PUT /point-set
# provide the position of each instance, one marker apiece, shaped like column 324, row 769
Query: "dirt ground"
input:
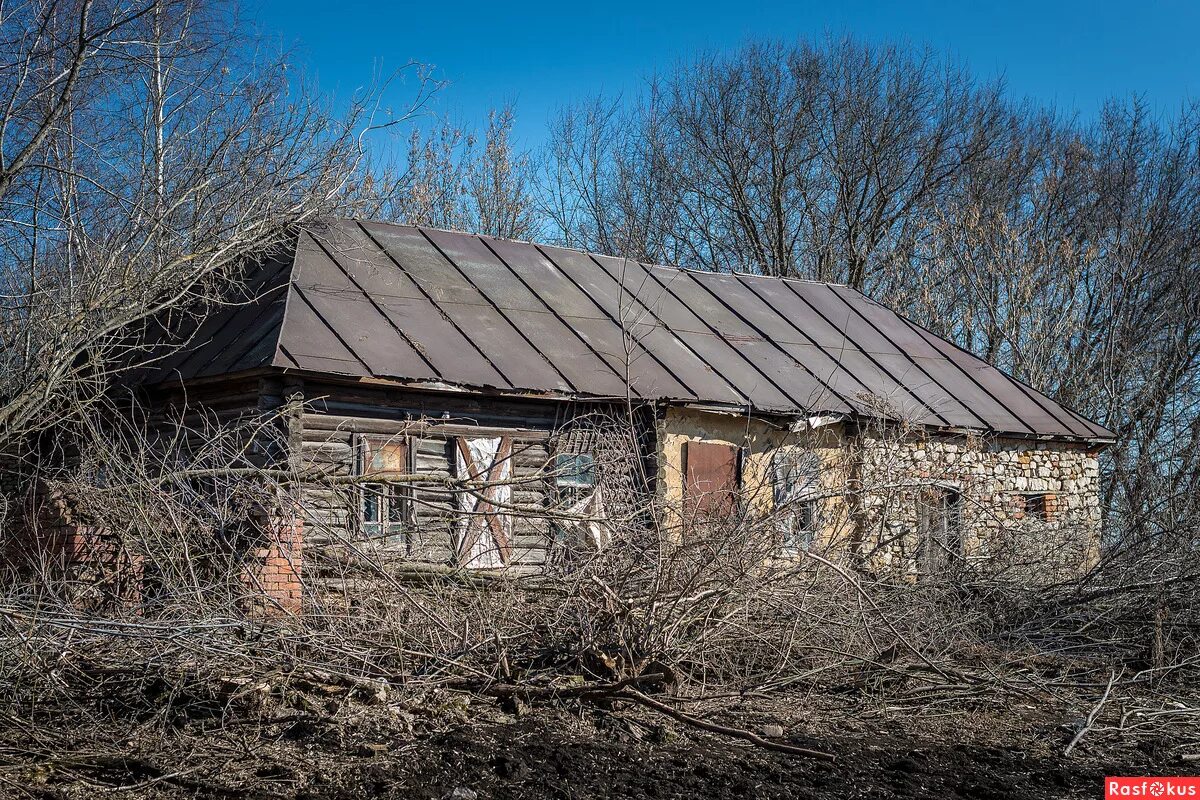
column 470, row 751
column 526, row 760
column 535, row 758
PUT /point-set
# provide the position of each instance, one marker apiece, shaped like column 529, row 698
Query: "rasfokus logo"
column 1151, row 787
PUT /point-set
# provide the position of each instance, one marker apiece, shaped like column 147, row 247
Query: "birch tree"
column 148, row 150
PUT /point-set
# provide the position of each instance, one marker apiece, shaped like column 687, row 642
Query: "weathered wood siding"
column 334, row 421
column 318, row 426
column 330, row 445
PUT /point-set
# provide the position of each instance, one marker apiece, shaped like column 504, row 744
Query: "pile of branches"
column 687, row 634
column 189, row 688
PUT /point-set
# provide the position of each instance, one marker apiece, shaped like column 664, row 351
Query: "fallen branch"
column 712, row 727
column 1091, row 717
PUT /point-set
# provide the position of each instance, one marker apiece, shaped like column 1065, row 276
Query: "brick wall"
column 96, row 570
column 91, row 567
column 274, row 567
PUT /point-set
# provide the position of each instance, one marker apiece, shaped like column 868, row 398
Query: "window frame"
column 568, row 488
column 393, row 504
column 578, row 478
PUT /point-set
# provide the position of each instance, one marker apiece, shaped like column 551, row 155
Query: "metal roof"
column 425, row 306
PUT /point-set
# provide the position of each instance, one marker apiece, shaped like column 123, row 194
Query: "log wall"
column 336, row 419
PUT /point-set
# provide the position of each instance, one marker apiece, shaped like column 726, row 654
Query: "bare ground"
column 448, row 745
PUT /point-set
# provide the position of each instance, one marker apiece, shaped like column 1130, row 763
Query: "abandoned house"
column 389, row 349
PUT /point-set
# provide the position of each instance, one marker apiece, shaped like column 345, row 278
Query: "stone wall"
column 1022, row 504
column 874, row 484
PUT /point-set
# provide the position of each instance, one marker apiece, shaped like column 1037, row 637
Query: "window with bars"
column 1039, row 506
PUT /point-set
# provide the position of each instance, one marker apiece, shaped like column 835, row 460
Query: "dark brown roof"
column 426, row 306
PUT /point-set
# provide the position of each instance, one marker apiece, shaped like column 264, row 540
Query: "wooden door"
column 710, row 479
column 939, row 530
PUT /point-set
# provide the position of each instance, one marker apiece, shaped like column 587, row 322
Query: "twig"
column 1091, row 718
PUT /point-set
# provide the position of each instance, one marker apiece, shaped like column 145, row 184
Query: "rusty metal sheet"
column 878, row 385
column 355, row 318
column 392, row 301
column 312, row 344
column 841, row 389
column 1097, row 429
column 945, row 372
column 262, row 351
column 735, row 364
column 992, row 381
column 533, row 319
column 710, row 478
column 941, row 404
column 756, row 337
column 473, row 313
column 409, row 310
column 255, row 345
column 235, row 325
column 985, row 391
column 631, row 315
column 593, row 325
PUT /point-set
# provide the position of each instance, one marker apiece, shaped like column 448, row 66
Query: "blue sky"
column 540, row 55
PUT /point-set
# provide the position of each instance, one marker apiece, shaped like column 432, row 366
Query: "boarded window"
column 710, row 478
column 384, row 507
column 939, row 523
column 484, row 526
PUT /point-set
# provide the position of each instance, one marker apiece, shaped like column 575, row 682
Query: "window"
column 578, row 493
column 794, row 472
column 1039, row 506
column 384, row 507
column 574, row 470
column 795, row 478
column 939, row 522
column 800, row 526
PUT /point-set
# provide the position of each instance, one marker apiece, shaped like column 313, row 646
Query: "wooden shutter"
column 484, row 539
column 710, row 478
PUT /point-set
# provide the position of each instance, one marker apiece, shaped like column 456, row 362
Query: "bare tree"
column 146, row 151
column 1072, row 262
column 787, row 160
column 1065, row 253
column 451, row 182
